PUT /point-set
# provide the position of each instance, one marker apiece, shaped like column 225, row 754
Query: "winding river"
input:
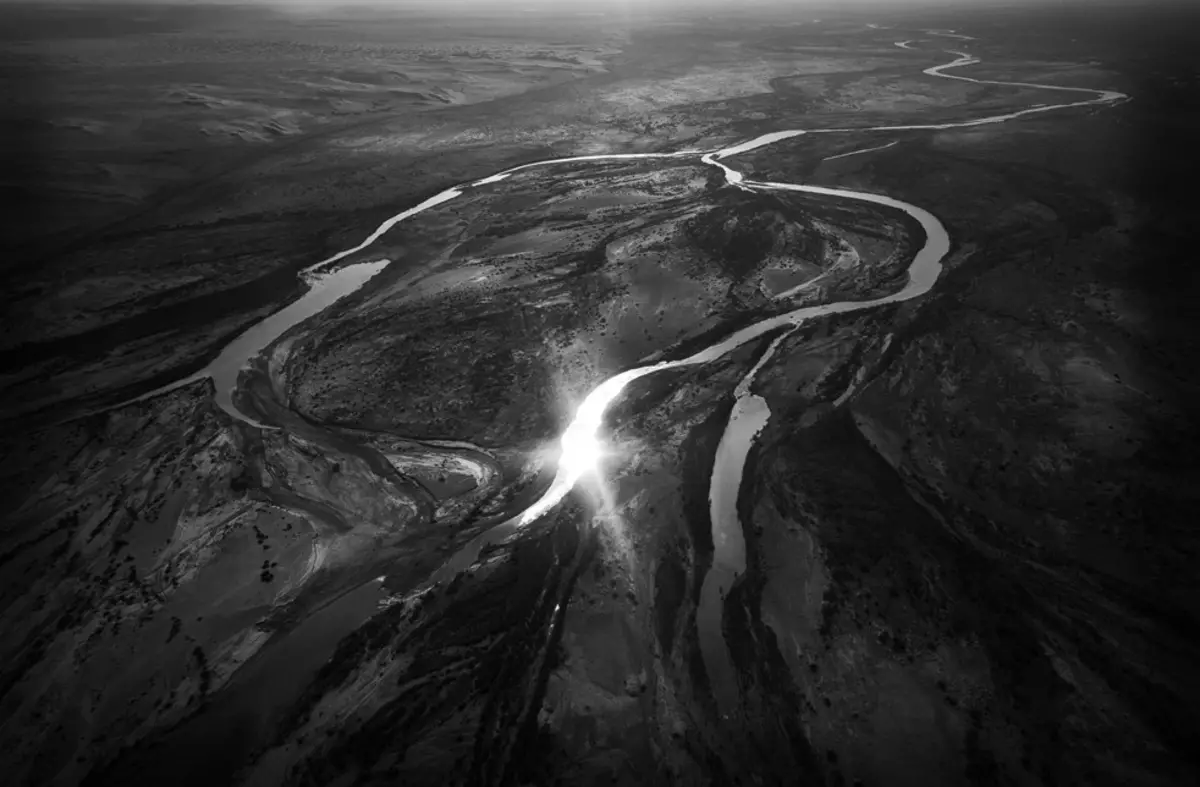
column 581, row 443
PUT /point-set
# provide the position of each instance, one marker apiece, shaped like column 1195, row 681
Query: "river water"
column 749, row 417
column 581, row 441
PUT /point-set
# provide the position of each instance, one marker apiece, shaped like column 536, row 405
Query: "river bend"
column 581, row 441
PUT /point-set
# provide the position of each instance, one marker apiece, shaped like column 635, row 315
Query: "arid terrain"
column 965, row 551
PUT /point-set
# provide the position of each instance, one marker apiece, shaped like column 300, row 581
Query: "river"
column 581, row 443
column 748, row 417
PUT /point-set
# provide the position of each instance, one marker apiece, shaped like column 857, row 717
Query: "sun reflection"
column 581, row 450
column 582, row 464
column 582, row 453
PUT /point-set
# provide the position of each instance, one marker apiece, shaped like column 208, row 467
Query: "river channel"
column 581, row 442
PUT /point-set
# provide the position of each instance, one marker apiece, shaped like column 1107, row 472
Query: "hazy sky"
column 584, row 5
column 827, row 7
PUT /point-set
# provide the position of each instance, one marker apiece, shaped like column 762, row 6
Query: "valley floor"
column 967, row 521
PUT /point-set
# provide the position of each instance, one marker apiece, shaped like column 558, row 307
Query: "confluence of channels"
column 580, row 442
